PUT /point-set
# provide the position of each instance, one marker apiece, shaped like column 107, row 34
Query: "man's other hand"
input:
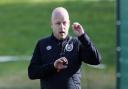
column 61, row 63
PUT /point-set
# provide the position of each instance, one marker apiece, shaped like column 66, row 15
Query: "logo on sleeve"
column 69, row 47
column 49, row 47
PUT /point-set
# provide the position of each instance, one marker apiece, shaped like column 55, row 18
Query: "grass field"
column 23, row 23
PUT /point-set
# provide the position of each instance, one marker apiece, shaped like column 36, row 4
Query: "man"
column 57, row 59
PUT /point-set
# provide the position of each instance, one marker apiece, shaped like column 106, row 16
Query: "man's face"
column 60, row 26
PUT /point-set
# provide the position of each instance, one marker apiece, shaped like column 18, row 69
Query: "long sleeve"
column 87, row 51
column 36, row 69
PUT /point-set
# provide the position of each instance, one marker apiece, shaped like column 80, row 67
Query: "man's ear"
column 69, row 21
column 51, row 24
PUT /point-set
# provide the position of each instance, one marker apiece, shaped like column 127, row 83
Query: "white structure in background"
column 13, row 58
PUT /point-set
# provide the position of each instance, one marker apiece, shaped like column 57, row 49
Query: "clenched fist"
column 77, row 29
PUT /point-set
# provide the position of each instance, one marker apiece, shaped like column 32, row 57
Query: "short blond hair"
column 59, row 11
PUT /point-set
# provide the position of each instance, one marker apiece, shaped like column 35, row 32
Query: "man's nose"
column 62, row 26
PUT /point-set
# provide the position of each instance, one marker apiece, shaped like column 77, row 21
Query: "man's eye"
column 64, row 23
column 58, row 23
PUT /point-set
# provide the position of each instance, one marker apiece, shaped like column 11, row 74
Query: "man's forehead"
column 60, row 12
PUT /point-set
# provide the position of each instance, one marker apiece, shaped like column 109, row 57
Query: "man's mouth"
column 61, row 32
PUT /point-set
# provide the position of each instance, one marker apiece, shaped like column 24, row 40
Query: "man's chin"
column 62, row 37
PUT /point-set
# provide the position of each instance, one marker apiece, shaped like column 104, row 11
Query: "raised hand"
column 77, row 29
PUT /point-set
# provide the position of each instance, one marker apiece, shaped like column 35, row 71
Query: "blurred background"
column 23, row 22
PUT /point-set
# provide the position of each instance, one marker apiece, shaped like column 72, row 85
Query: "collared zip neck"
column 59, row 41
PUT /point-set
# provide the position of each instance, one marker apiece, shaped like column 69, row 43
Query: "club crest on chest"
column 49, row 47
column 69, row 47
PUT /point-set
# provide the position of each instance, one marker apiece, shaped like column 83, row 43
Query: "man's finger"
column 65, row 61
